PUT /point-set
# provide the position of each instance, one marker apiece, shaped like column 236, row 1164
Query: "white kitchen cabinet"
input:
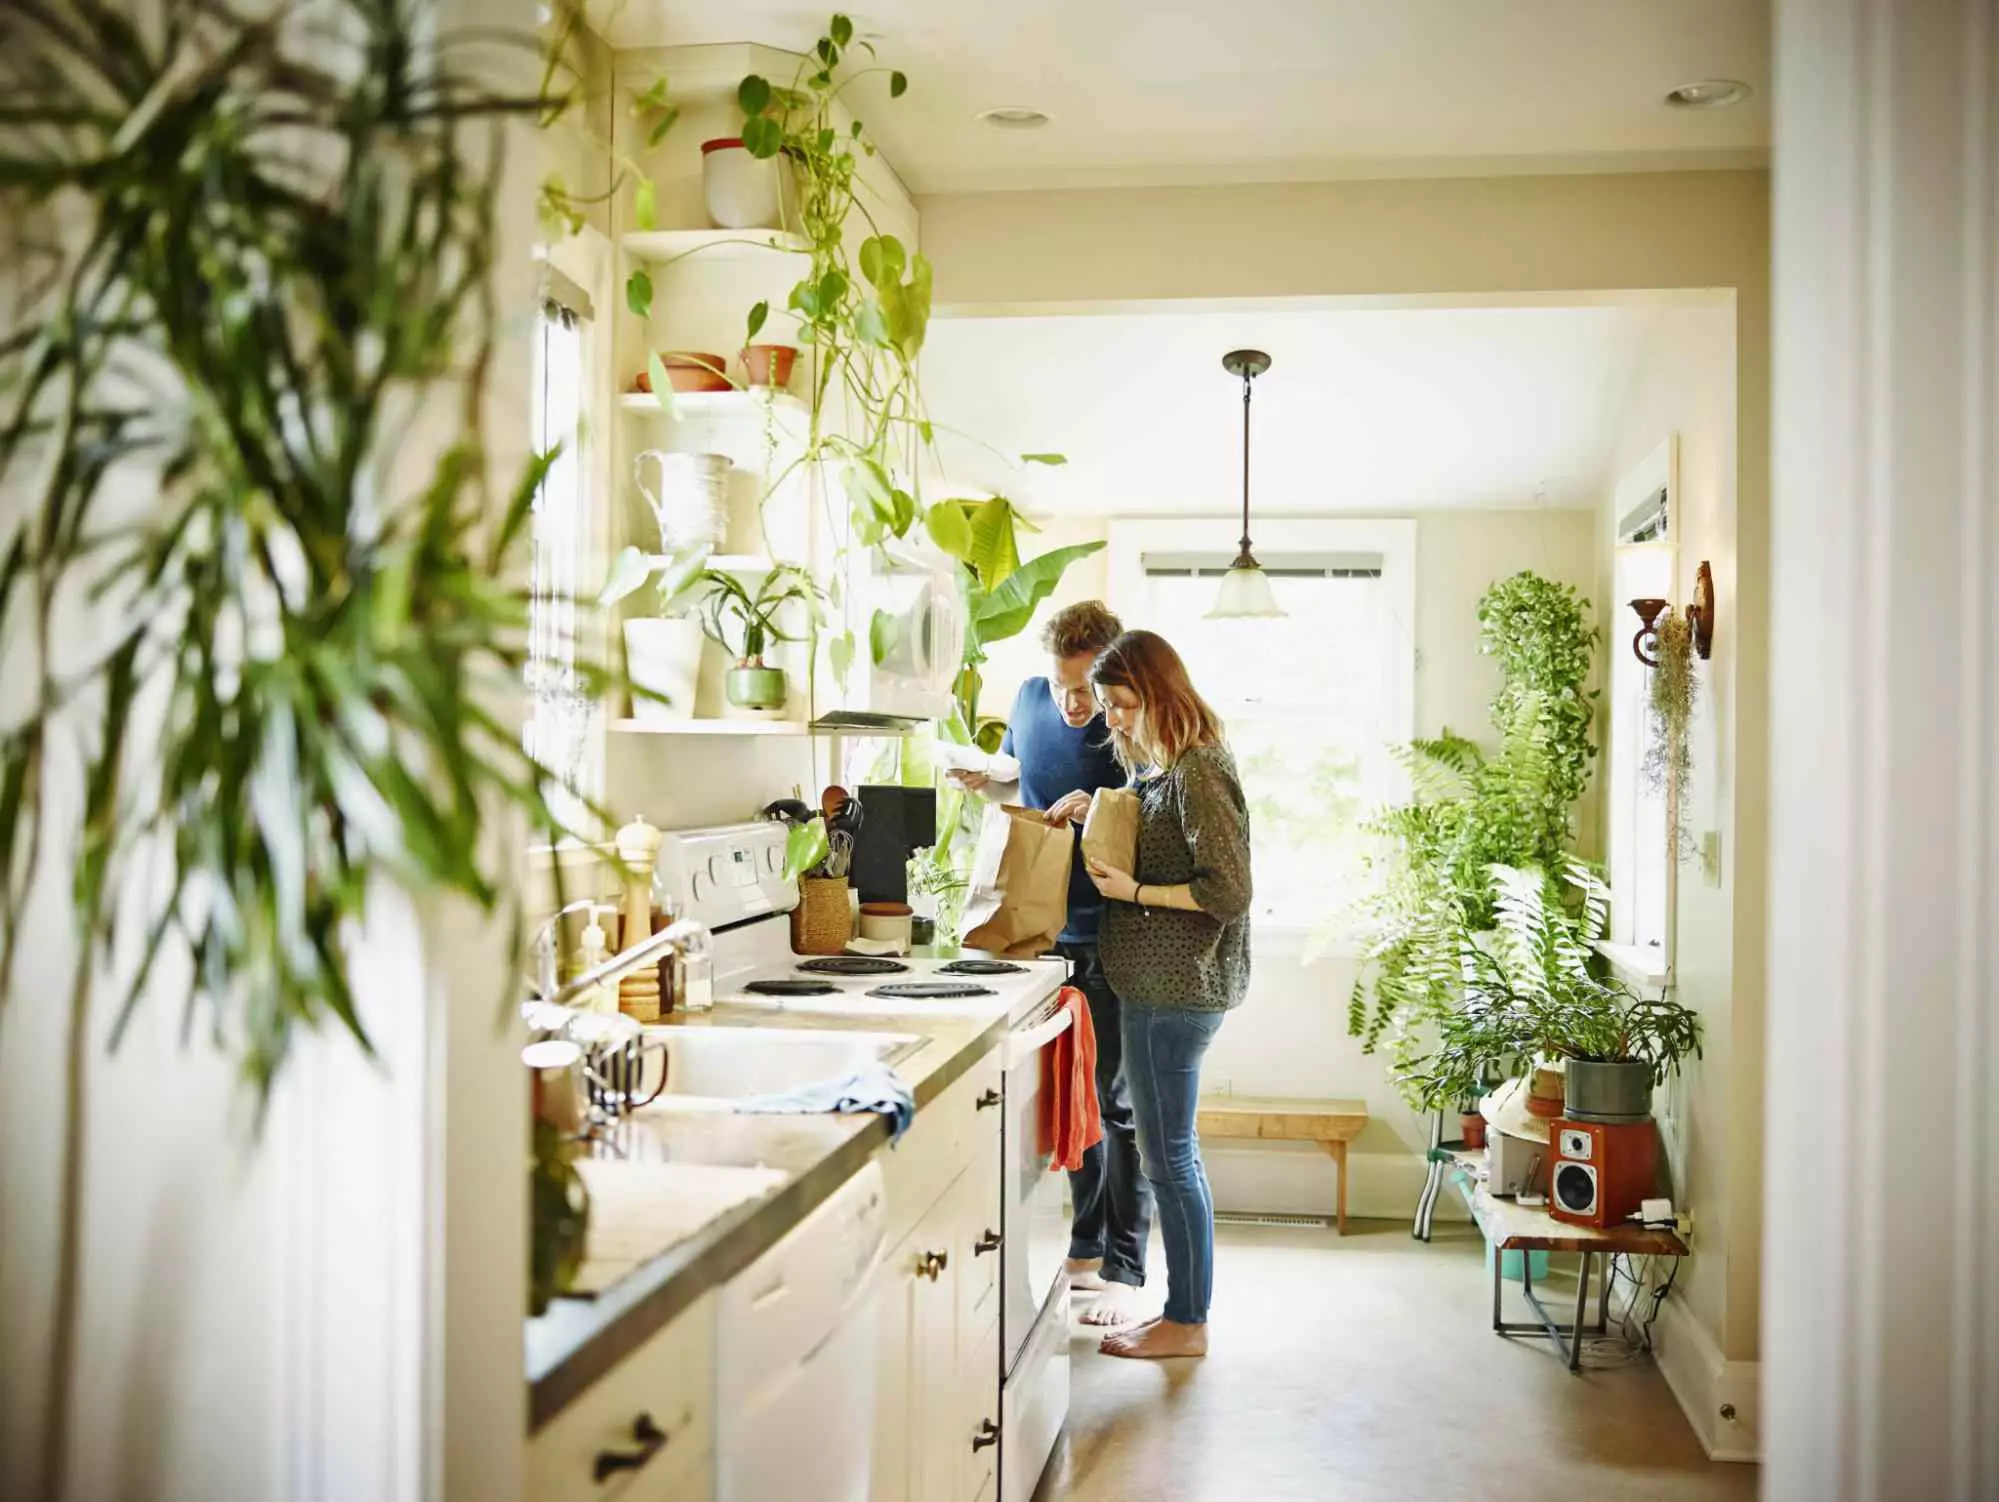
column 938, row 1381
column 645, row 1431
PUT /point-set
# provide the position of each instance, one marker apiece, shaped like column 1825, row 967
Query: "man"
column 1063, row 747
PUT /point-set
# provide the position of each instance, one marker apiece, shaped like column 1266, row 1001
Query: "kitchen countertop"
column 579, row 1340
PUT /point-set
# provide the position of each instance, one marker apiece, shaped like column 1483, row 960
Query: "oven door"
column 1036, row 1203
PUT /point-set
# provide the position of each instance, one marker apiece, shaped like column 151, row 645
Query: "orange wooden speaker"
column 1603, row 1171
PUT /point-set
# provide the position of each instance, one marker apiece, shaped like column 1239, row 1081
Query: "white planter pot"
column 742, row 191
column 692, row 502
column 664, row 656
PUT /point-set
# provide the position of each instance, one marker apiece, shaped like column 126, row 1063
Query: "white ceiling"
column 1273, row 90
column 1362, row 411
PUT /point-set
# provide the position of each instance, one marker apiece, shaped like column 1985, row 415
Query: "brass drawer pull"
column 932, row 1264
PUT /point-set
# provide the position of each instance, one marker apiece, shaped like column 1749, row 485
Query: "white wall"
column 1686, row 383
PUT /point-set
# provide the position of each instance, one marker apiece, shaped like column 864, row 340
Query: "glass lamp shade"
column 1245, row 593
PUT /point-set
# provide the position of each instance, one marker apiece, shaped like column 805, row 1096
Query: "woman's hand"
column 1070, row 808
column 967, row 781
column 1119, row 886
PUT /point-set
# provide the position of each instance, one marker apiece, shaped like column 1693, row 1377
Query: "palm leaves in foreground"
column 251, row 258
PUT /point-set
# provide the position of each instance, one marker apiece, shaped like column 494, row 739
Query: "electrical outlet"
column 1711, row 857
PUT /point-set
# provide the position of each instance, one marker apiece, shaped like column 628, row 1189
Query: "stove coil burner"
column 930, row 990
column 981, row 967
column 853, row 964
column 791, row 988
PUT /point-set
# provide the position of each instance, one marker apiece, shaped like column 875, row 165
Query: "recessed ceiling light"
column 1013, row 117
column 1709, row 94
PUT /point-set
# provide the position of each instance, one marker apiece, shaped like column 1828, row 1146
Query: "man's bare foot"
column 1085, row 1274
column 1157, row 1340
column 1116, row 1305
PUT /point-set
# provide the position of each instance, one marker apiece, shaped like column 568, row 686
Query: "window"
column 558, row 732
column 1314, row 702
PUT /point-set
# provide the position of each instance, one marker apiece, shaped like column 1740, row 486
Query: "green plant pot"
column 1607, row 1092
column 752, row 685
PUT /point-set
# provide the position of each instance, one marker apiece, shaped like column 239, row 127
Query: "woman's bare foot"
column 1157, row 1340
column 1116, row 1305
column 1085, row 1274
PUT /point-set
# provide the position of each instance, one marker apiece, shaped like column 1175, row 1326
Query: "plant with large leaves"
column 250, row 258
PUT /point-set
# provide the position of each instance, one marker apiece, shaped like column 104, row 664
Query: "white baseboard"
column 1292, row 1178
column 1706, row 1382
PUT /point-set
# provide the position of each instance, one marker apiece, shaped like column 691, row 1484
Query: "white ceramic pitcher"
column 692, row 502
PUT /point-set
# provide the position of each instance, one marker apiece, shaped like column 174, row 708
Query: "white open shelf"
column 712, row 727
column 714, row 404
column 711, row 244
column 724, row 563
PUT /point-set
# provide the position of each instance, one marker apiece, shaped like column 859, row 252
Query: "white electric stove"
column 731, row 878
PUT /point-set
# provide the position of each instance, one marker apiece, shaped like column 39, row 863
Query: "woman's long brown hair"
column 1174, row 717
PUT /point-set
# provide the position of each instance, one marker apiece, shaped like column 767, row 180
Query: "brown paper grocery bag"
column 1017, row 902
column 1110, row 833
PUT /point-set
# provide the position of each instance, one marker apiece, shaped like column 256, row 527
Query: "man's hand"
column 967, row 782
column 1070, row 808
column 1117, row 885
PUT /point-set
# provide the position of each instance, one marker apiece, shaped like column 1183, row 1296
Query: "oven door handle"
column 1023, row 1045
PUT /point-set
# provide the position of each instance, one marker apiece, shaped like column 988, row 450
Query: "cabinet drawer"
column 668, row 1382
column 939, row 1142
column 979, row 1410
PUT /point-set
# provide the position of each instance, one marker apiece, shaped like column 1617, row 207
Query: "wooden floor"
column 1366, row 1368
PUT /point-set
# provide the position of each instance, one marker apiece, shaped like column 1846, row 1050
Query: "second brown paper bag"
column 1017, row 902
column 1110, row 833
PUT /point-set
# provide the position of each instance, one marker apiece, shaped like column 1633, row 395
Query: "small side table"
column 1528, row 1228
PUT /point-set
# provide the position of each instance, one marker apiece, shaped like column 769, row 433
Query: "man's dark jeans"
column 1113, row 1202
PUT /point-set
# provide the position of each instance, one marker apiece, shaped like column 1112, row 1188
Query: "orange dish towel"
column 1071, row 1123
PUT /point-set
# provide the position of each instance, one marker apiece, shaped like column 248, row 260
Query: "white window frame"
column 1394, row 541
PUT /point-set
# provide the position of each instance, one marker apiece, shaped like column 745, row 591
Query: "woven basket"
column 823, row 920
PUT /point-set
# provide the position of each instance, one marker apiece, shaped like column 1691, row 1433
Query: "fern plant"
column 1469, row 812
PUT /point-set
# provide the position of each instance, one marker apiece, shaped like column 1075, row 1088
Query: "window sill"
column 1639, row 963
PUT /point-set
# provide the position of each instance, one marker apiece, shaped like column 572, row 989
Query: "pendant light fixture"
column 1245, row 591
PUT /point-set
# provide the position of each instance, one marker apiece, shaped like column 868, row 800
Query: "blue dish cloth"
column 873, row 1089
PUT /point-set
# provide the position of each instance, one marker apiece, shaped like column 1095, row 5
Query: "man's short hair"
column 1086, row 626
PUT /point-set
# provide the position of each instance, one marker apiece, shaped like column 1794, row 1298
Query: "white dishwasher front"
column 795, row 1337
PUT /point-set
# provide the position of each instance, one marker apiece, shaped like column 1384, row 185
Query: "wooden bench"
column 1330, row 1123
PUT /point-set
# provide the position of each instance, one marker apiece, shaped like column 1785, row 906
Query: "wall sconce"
column 1700, row 614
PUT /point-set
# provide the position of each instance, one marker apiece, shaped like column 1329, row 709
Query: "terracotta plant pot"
column 696, row 371
column 1471, row 1129
column 768, row 364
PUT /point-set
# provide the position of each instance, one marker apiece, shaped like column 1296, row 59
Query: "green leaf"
column 804, row 848
column 638, row 294
column 1044, row 459
column 763, row 137
column 883, row 633
column 832, row 287
column 904, row 511
column 840, row 652
column 1006, row 610
column 628, row 571
column 883, row 260
column 868, row 486
column 662, row 125
column 898, row 85
column 753, row 94
column 949, row 528
column 756, row 321
column 995, row 552
column 645, row 204
column 662, row 386
column 869, row 325
column 842, row 30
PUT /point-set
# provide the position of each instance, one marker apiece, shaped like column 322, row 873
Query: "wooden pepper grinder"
column 638, row 850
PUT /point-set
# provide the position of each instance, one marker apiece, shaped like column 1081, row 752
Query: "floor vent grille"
column 1300, row 1222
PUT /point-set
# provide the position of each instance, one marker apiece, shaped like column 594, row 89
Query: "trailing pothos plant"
column 1669, row 699
column 274, row 632
column 1470, row 812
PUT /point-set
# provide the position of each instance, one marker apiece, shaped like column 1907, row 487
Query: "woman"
column 1175, row 948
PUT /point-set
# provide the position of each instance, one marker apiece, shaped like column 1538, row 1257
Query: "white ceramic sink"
column 728, row 1063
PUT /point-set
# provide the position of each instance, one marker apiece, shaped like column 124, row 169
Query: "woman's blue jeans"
column 1163, row 1047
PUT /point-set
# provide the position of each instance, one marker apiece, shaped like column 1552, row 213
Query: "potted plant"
column 1670, row 694
column 822, row 923
column 752, row 683
column 1471, row 811
column 662, row 651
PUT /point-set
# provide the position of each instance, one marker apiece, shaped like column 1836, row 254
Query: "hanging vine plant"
column 1670, row 697
column 250, row 253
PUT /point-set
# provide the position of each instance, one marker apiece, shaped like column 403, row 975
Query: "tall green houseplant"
column 1470, row 811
